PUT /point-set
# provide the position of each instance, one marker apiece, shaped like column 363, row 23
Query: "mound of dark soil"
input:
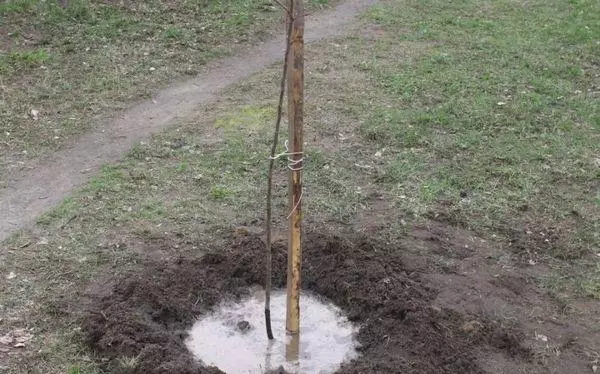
column 146, row 313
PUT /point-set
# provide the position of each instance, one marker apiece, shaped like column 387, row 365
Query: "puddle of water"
column 233, row 337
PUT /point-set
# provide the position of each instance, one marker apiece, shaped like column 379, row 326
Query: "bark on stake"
column 295, row 121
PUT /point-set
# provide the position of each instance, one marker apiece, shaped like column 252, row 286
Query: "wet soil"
column 410, row 322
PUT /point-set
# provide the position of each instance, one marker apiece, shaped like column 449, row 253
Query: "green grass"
column 491, row 118
column 16, row 6
column 493, row 113
column 480, row 112
column 103, row 56
column 31, row 58
column 590, row 283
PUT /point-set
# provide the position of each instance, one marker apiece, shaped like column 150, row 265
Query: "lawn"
column 478, row 117
column 66, row 69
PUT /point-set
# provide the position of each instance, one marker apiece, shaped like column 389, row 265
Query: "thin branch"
column 289, row 12
column 269, row 254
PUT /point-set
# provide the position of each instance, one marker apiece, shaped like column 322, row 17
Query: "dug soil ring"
column 141, row 324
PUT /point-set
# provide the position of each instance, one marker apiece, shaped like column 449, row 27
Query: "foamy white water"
column 223, row 340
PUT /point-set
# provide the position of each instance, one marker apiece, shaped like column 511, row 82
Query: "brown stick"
column 269, row 259
column 295, row 121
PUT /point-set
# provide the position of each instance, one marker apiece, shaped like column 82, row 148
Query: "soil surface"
column 412, row 318
column 47, row 182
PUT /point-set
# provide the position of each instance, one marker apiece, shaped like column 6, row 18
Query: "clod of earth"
column 244, row 326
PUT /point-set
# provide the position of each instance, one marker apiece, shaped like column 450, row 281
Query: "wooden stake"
column 295, row 121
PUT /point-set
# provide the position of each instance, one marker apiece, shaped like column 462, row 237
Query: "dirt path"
column 49, row 181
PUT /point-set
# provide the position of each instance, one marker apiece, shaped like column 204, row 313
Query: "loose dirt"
column 49, row 181
column 411, row 320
